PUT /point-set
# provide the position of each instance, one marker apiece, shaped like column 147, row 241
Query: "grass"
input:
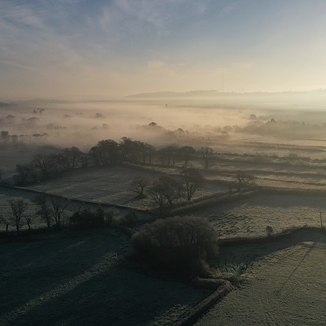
column 285, row 283
column 73, row 278
column 250, row 217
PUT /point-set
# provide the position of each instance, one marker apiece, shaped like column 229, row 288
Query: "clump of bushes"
column 87, row 219
column 181, row 245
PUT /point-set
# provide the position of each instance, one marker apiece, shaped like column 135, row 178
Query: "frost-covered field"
column 81, row 278
column 250, row 217
column 285, row 285
column 108, row 185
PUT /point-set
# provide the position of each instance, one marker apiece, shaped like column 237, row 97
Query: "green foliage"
column 182, row 245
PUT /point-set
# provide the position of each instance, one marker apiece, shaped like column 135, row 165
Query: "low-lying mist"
column 161, row 121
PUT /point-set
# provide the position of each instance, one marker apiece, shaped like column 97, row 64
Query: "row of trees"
column 165, row 191
column 109, row 152
column 43, row 166
column 51, row 211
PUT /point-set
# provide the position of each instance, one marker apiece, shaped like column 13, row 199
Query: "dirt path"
column 287, row 287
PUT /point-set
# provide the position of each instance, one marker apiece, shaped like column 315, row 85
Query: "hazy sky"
column 51, row 48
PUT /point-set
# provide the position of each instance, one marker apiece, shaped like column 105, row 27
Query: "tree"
column 18, row 207
column 28, row 220
column 138, row 185
column 183, row 245
column 145, row 150
column 44, row 210
column 59, row 205
column 5, row 136
column 187, row 153
column 168, row 155
column 4, row 221
column 245, row 180
column 106, row 152
column 69, row 158
column 207, row 154
column 193, row 181
column 25, row 173
column 46, row 164
column 165, row 191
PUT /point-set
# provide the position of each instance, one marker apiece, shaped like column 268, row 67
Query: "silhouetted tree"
column 207, row 154
column 138, row 185
column 18, row 207
column 5, row 136
column 245, row 180
column 187, row 153
column 193, row 180
column 26, row 173
column 4, row 221
column 69, row 158
column 106, row 152
column 59, row 205
column 166, row 191
column 44, row 210
column 46, row 164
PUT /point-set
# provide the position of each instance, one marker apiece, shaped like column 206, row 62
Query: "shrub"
column 182, row 245
column 87, row 219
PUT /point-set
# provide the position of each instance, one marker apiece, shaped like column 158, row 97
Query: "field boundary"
column 89, row 202
column 201, row 308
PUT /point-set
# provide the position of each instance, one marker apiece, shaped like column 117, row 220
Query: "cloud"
column 155, row 64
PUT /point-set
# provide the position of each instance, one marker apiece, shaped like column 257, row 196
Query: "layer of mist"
column 200, row 121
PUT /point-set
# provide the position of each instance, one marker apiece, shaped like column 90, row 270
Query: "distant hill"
column 214, row 93
column 200, row 93
column 2, row 104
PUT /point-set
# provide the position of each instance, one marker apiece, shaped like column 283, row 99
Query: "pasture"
column 285, row 284
column 82, row 278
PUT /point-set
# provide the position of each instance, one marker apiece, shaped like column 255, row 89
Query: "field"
column 250, row 217
column 82, row 279
column 285, row 284
column 108, row 185
column 86, row 277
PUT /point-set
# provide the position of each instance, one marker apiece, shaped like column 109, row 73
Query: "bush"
column 182, row 245
column 88, row 219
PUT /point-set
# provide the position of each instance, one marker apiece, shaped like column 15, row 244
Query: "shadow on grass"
column 248, row 250
column 80, row 280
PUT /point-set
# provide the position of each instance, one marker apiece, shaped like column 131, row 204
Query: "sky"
column 107, row 49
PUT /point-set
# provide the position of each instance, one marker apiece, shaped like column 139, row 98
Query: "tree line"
column 109, row 152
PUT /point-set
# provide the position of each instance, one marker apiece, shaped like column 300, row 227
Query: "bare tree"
column 18, row 208
column 207, row 154
column 59, row 205
column 193, row 181
column 166, row 191
column 187, row 153
column 245, row 180
column 138, row 185
column 4, row 221
column 44, row 210
column 28, row 220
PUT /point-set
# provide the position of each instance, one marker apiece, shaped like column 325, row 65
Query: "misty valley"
column 163, row 209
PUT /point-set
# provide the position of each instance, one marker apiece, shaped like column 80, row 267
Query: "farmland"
column 88, row 277
column 45, row 284
column 285, row 284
